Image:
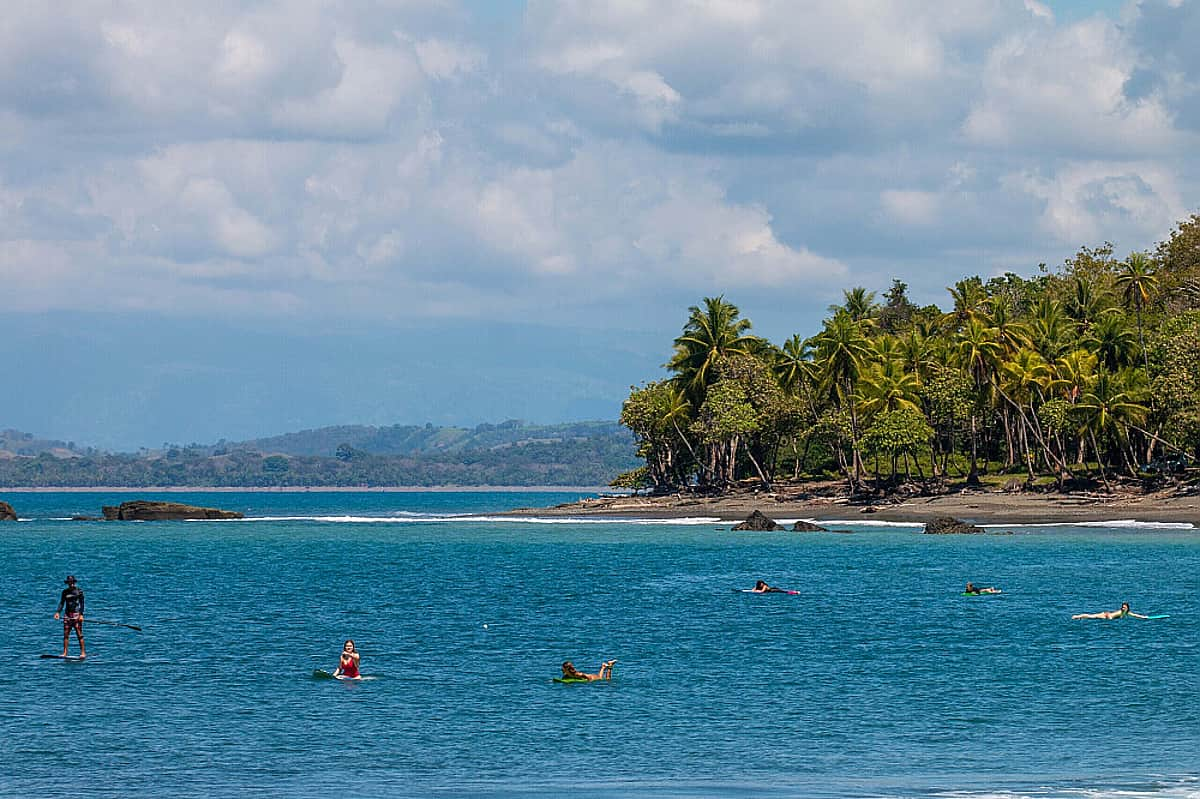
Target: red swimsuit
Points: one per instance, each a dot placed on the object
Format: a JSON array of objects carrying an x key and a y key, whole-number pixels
[{"x": 349, "y": 667}]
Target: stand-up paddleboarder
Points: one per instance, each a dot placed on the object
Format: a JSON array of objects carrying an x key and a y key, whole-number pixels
[{"x": 70, "y": 610}]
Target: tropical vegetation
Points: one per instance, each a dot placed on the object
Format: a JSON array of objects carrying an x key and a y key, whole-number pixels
[{"x": 1084, "y": 374}]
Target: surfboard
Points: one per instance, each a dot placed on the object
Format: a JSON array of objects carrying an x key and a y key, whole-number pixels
[
  {"x": 321, "y": 674},
  {"x": 752, "y": 591},
  {"x": 571, "y": 680},
  {"x": 73, "y": 658},
  {"x": 985, "y": 593},
  {"x": 1160, "y": 616}
]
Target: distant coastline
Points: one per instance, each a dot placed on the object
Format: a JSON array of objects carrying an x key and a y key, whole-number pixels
[{"x": 484, "y": 489}]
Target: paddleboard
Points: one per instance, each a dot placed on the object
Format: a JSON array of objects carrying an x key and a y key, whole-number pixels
[
  {"x": 74, "y": 658},
  {"x": 321, "y": 674}
]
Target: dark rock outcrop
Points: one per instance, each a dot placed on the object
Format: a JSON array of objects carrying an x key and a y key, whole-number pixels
[
  {"x": 7, "y": 514},
  {"x": 808, "y": 527},
  {"x": 146, "y": 511},
  {"x": 948, "y": 525},
  {"x": 758, "y": 522}
]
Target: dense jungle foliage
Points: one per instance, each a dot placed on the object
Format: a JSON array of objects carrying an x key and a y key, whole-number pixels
[{"x": 1087, "y": 373}]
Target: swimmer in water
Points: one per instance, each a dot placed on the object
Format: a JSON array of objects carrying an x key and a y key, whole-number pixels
[
  {"x": 976, "y": 590},
  {"x": 1111, "y": 614},
  {"x": 569, "y": 672},
  {"x": 348, "y": 662}
]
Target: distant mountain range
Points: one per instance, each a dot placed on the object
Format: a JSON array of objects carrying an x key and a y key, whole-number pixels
[{"x": 511, "y": 453}]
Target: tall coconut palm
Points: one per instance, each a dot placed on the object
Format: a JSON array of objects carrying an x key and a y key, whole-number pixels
[
  {"x": 1024, "y": 378},
  {"x": 1011, "y": 333},
  {"x": 715, "y": 331},
  {"x": 1112, "y": 341},
  {"x": 795, "y": 366},
  {"x": 883, "y": 390},
  {"x": 978, "y": 353},
  {"x": 970, "y": 300},
  {"x": 858, "y": 303},
  {"x": 1084, "y": 303},
  {"x": 843, "y": 350},
  {"x": 1105, "y": 410},
  {"x": 1049, "y": 329},
  {"x": 1138, "y": 283}
]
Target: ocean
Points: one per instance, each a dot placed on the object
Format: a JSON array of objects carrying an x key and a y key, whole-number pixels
[{"x": 878, "y": 680}]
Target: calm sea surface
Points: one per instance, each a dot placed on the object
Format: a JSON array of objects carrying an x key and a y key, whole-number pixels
[{"x": 879, "y": 680}]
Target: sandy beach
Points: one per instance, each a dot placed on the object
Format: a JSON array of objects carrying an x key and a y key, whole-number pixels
[{"x": 981, "y": 507}]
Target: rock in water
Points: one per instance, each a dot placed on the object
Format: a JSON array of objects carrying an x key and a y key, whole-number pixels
[
  {"x": 7, "y": 514},
  {"x": 948, "y": 525},
  {"x": 758, "y": 522},
  {"x": 146, "y": 511},
  {"x": 808, "y": 527}
]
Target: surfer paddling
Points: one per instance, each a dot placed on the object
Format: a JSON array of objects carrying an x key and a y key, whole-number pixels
[
  {"x": 761, "y": 587},
  {"x": 348, "y": 662},
  {"x": 70, "y": 610},
  {"x": 1111, "y": 614},
  {"x": 569, "y": 672},
  {"x": 975, "y": 590}
]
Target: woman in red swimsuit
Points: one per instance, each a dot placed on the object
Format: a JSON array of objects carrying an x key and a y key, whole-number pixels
[{"x": 348, "y": 664}]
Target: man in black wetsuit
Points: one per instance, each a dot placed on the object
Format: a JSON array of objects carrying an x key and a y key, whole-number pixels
[{"x": 70, "y": 609}]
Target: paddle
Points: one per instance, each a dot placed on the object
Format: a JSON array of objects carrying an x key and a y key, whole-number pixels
[{"x": 115, "y": 624}]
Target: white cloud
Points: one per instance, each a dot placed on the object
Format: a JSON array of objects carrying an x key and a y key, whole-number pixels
[
  {"x": 1092, "y": 201},
  {"x": 1063, "y": 90}
]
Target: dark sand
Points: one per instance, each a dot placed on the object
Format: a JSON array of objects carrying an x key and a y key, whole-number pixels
[{"x": 982, "y": 507}]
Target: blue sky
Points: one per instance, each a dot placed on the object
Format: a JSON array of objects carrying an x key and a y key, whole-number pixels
[{"x": 246, "y": 218}]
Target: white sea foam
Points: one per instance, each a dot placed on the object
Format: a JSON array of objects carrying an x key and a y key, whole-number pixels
[
  {"x": 415, "y": 518},
  {"x": 1130, "y": 524},
  {"x": 1183, "y": 788}
]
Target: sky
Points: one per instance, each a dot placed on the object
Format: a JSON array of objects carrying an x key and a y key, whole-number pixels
[{"x": 233, "y": 219}]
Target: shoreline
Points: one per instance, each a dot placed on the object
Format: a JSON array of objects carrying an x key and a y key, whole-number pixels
[
  {"x": 447, "y": 489},
  {"x": 979, "y": 507}
]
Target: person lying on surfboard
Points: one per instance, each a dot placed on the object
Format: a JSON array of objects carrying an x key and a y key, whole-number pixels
[
  {"x": 569, "y": 672},
  {"x": 1111, "y": 614},
  {"x": 974, "y": 589},
  {"x": 761, "y": 587},
  {"x": 348, "y": 663}
]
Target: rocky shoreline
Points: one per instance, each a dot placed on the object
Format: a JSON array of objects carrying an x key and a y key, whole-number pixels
[{"x": 972, "y": 506}]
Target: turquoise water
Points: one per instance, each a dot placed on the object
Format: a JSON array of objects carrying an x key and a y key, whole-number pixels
[{"x": 878, "y": 680}]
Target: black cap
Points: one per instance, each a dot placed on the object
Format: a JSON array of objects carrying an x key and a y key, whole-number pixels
[{"x": 70, "y": 579}]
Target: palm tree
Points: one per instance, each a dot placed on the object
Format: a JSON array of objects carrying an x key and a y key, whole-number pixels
[
  {"x": 882, "y": 390},
  {"x": 1025, "y": 377},
  {"x": 979, "y": 355},
  {"x": 794, "y": 365},
  {"x": 1138, "y": 282},
  {"x": 1106, "y": 410},
  {"x": 1084, "y": 304},
  {"x": 1049, "y": 330},
  {"x": 1011, "y": 334},
  {"x": 1111, "y": 341},
  {"x": 842, "y": 351},
  {"x": 858, "y": 303},
  {"x": 970, "y": 300},
  {"x": 715, "y": 331}
]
